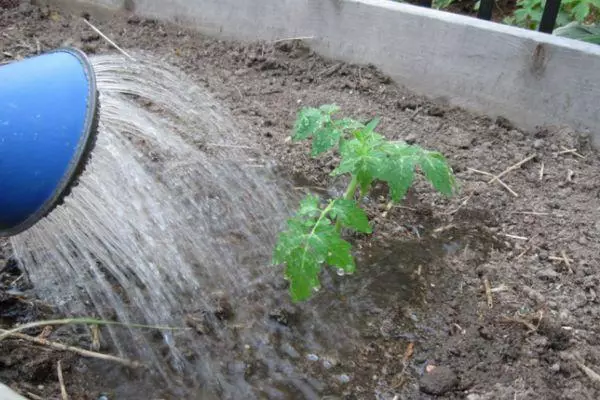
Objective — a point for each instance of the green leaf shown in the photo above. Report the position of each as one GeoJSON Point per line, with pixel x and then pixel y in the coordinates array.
{"type": "Point", "coordinates": [325, 139]}
{"type": "Point", "coordinates": [329, 109]}
{"type": "Point", "coordinates": [370, 127]}
{"type": "Point", "coordinates": [340, 255]}
{"type": "Point", "coordinates": [309, 206]}
{"type": "Point", "coordinates": [302, 272]}
{"type": "Point", "coordinates": [348, 124]}
{"type": "Point", "coordinates": [438, 172]}
{"type": "Point", "coordinates": [399, 175]}
{"type": "Point", "coordinates": [317, 123]}
{"type": "Point", "coordinates": [581, 11]}
{"type": "Point", "coordinates": [350, 215]}
{"type": "Point", "coordinates": [309, 121]}
{"type": "Point", "coordinates": [312, 239]}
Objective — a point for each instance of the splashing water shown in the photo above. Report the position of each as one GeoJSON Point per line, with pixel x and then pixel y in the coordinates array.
{"type": "Point", "coordinates": [170, 214]}
{"type": "Point", "coordinates": [173, 223]}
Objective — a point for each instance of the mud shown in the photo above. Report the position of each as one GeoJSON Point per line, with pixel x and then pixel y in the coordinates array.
{"type": "Point", "coordinates": [500, 289]}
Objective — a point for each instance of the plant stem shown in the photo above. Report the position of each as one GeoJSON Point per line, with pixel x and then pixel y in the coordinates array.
{"type": "Point", "coordinates": [348, 195]}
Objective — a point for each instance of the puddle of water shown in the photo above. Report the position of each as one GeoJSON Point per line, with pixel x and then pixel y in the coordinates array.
{"type": "Point", "coordinates": [383, 300]}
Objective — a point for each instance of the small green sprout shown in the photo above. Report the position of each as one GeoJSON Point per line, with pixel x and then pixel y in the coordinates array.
{"type": "Point", "coordinates": [313, 236]}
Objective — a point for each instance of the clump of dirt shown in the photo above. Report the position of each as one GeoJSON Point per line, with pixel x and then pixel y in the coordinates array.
{"type": "Point", "coordinates": [511, 310]}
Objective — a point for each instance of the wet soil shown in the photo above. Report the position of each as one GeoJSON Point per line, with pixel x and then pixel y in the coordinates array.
{"type": "Point", "coordinates": [499, 287]}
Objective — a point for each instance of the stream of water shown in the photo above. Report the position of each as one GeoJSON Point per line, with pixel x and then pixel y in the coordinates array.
{"type": "Point", "coordinates": [172, 215]}
{"type": "Point", "coordinates": [173, 223]}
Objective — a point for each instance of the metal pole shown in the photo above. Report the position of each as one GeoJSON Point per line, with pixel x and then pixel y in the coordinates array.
{"type": "Point", "coordinates": [549, 16]}
{"type": "Point", "coordinates": [485, 9]}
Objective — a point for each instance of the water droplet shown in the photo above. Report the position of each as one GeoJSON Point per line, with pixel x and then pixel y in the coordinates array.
{"type": "Point", "coordinates": [312, 357]}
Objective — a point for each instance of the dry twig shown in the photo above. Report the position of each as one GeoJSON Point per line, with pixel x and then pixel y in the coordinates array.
{"type": "Point", "coordinates": [488, 292]}
{"type": "Point", "coordinates": [511, 168]}
{"type": "Point", "coordinates": [61, 381]}
{"type": "Point", "coordinates": [528, 246]}
{"type": "Point", "coordinates": [530, 326]}
{"type": "Point", "coordinates": [569, 151]}
{"type": "Point", "coordinates": [514, 236]}
{"type": "Point", "coordinates": [461, 205]}
{"type": "Point", "coordinates": [498, 180]}
{"type": "Point", "coordinates": [293, 38]}
{"type": "Point", "coordinates": [530, 213]}
{"type": "Point", "coordinates": [84, 321]}
{"type": "Point", "coordinates": [563, 259]}
{"type": "Point", "coordinates": [593, 375]}
{"type": "Point", "coordinates": [73, 349]}
{"type": "Point", "coordinates": [108, 39]}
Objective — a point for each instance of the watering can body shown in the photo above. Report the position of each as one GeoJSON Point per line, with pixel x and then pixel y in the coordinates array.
{"type": "Point", "coordinates": [48, 122]}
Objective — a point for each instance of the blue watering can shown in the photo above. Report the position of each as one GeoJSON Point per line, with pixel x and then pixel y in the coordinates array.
{"type": "Point", "coordinates": [48, 124]}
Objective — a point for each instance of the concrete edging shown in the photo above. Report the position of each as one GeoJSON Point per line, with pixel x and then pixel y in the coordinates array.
{"type": "Point", "coordinates": [533, 79]}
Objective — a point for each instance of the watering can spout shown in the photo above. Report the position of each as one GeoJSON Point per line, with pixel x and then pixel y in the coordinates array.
{"type": "Point", "coordinates": [48, 125]}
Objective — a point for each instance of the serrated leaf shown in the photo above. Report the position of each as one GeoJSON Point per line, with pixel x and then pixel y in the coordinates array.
{"type": "Point", "coordinates": [399, 175]}
{"type": "Point", "coordinates": [308, 122]}
{"type": "Point", "coordinates": [325, 139]}
{"type": "Point", "coordinates": [370, 127]}
{"type": "Point", "coordinates": [350, 215]}
{"type": "Point", "coordinates": [581, 11]}
{"type": "Point", "coordinates": [329, 109]}
{"type": "Point", "coordinates": [309, 205]}
{"type": "Point", "coordinates": [349, 152]}
{"type": "Point", "coordinates": [302, 271]}
{"type": "Point", "coordinates": [348, 124]}
{"type": "Point", "coordinates": [367, 168]}
{"type": "Point", "coordinates": [340, 255]}
{"type": "Point", "coordinates": [438, 172]}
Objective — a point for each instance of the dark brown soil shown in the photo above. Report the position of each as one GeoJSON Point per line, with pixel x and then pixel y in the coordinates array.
{"type": "Point", "coordinates": [527, 336]}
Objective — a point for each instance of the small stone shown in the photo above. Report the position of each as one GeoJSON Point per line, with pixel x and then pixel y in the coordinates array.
{"type": "Point", "coordinates": [538, 143]}
{"type": "Point", "coordinates": [516, 135]}
{"type": "Point", "coordinates": [438, 381]}
{"type": "Point", "coordinates": [223, 308]}
{"type": "Point", "coordinates": [290, 350]}
{"type": "Point", "coordinates": [411, 138]}
{"type": "Point", "coordinates": [564, 315]}
{"type": "Point", "coordinates": [548, 274]}
{"type": "Point", "coordinates": [344, 378]}
{"type": "Point", "coordinates": [485, 333]}
{"type": "Point", "coordinates": [436, 111]}
{"type": "Point", "coordinates": [540, 341]}
{"type": "Point", "coordinates": [134, 20]}
{"type": "Point", "coordinates": [312, 357]}
{"type": "Point", "coordinates": [459, 138]}
{"type": "Point", "coordinates": [579, 299]}
{"type": "Point", "coordinates": [534, 294]}
{"type": "Point", "coordinates": [504, 123]}
{"type": "Point", "coordinates": [555, 367]}
{"type": "Point", "coordinates": [473, 396]}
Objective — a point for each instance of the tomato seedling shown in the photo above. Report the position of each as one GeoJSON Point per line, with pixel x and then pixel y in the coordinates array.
{"type": "Point", "coordinates": [313, 235]}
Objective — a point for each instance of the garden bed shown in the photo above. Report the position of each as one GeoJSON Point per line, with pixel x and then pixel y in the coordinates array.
{"type": "Point", "coordinates": [489, 295]}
